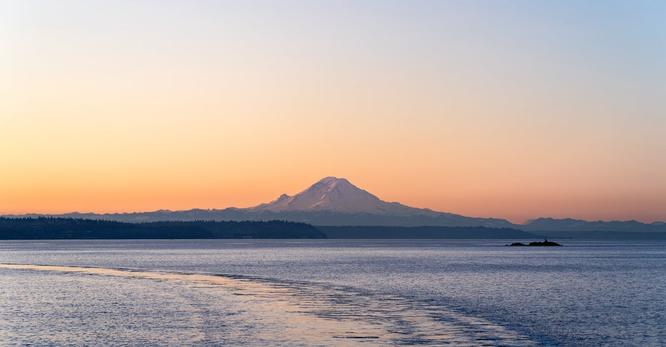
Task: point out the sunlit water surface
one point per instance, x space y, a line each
331 292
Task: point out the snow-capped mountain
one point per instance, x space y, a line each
335 195
331 201
336 201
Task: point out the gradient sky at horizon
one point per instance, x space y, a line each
512 109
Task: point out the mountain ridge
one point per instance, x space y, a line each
334 201
338 195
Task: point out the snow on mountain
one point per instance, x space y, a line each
335 195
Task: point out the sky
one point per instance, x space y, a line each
512 109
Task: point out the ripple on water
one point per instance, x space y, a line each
192 308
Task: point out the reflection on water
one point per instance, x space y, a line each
173 307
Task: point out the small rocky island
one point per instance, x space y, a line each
544 243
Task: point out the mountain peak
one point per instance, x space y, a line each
330 183
343 202
331 194
332 179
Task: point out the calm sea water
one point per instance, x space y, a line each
331 292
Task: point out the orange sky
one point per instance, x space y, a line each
473 109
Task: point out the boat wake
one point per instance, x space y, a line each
306 313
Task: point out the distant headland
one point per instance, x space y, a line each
51 228
44 228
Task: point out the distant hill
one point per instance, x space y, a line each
576 225
67 228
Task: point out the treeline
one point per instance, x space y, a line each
69 228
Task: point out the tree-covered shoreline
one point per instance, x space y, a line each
71 228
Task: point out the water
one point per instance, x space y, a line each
332 292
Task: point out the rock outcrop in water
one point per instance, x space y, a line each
544 243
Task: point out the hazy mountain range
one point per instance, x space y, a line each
336 202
